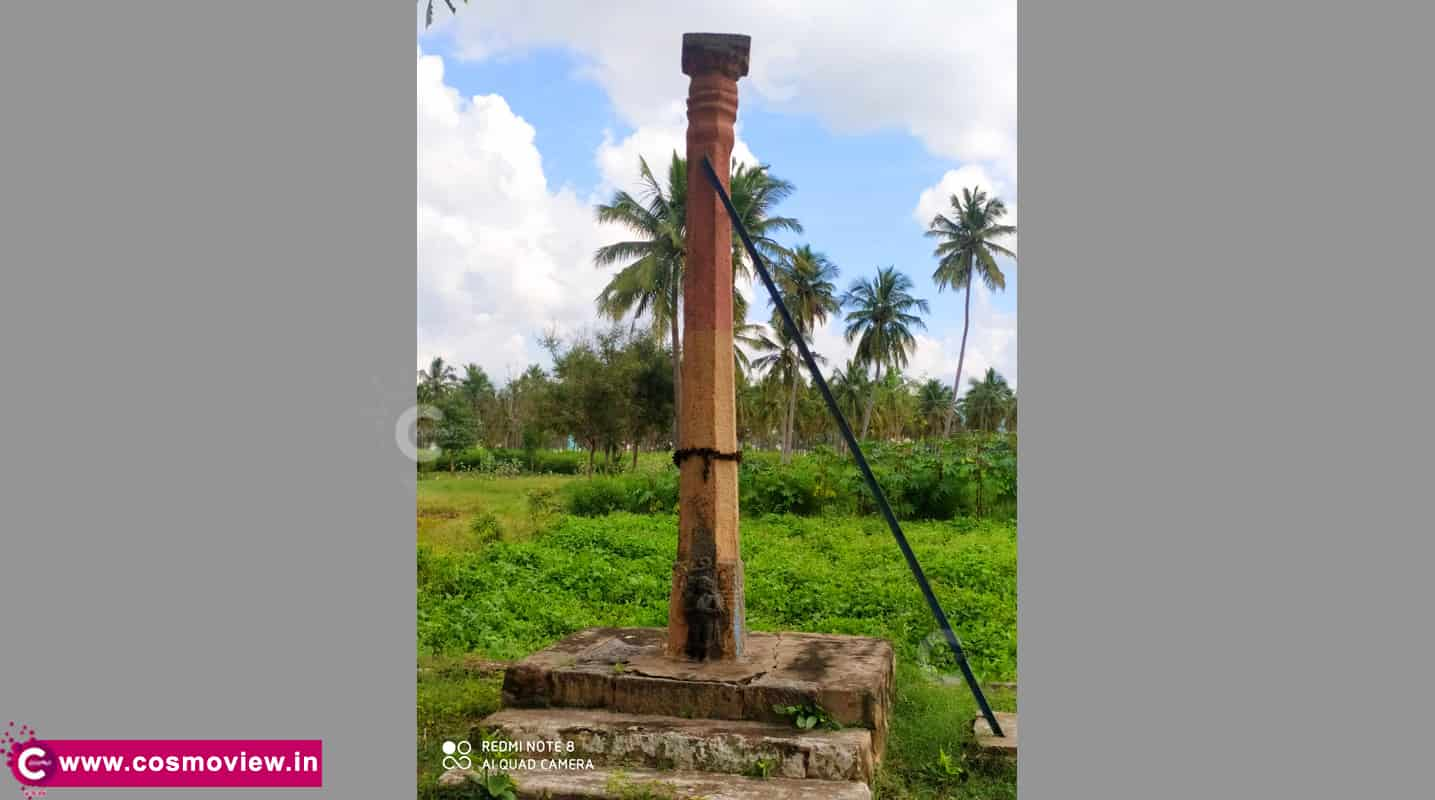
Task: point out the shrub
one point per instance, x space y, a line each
765 489
485 527
635 492
596 497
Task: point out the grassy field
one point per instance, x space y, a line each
532 575
448 504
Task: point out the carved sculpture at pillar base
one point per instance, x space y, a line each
709 623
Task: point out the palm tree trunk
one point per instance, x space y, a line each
871 400
677 382
961 356
791 413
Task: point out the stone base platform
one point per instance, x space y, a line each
625 670
604 784
727 746
1004 745
697 729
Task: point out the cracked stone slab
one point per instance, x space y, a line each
849 676
728 746
606 784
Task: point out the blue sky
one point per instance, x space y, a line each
508 180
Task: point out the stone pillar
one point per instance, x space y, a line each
706 610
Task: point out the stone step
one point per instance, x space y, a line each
706 745
616 784
626 670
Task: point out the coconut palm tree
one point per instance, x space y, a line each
896 407
782 361
755 193
850 386
881 321
968 250
805 280
744 338
649 284
435 381
987 403
650 281
934 405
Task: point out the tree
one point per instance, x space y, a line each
650 399
649 282
805 281
881 321
520 420
435 382
477 389
988 403
434 385
967 250
755 192
583 396
455 431
934 406
783 362
897 410
744 338
850 385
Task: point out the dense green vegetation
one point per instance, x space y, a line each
508 598
972 476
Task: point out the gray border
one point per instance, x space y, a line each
207 309
1225 558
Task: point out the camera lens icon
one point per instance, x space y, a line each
456 755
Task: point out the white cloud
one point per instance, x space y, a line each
501 257
991 342
937 199
618 159
840 60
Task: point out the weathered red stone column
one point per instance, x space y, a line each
706 611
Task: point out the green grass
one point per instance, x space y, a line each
544 580
451 699
448 503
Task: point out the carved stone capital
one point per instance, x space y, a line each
722 53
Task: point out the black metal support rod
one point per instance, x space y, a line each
851 440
